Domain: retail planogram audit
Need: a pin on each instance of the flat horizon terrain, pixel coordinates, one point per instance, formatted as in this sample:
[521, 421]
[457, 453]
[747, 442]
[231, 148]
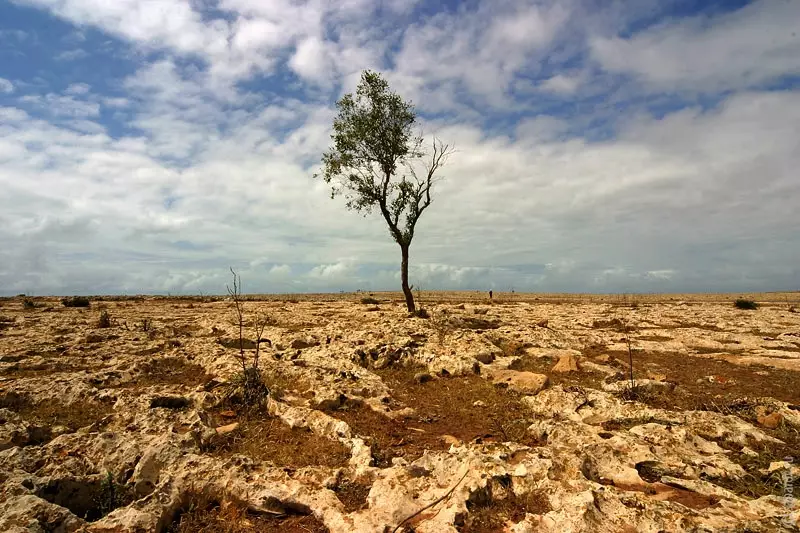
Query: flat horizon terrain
[516, 414]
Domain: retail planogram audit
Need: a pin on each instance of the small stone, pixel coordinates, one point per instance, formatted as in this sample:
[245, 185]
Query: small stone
[479, 403]
[303, 343]
[771, 421]
[422, 377]
[451, 440]
[485, 357]
[566, 363]
[522, 382]
[543, 323]
[230, 428]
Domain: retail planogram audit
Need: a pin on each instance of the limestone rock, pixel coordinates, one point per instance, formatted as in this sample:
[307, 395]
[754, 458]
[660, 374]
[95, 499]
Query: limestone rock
[566, 363]
[523, 382]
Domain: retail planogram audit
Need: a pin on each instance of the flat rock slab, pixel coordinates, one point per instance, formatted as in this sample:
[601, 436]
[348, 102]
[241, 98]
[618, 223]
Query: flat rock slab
[522, 382]
[566, 363]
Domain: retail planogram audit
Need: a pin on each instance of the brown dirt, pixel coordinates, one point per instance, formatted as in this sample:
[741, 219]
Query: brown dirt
[353, 495]
[491, 510]
[204, 516]
[544, 365]
[265, 438]
[169, 371]
[444, 407]
[729, 381]
[54, 413]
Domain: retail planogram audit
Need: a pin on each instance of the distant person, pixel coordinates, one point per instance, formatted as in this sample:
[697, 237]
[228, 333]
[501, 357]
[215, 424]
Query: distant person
[490, 295]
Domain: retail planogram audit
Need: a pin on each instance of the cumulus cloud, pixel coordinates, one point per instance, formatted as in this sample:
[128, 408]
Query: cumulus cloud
[6, 86]
[564, 177]
[753, 45]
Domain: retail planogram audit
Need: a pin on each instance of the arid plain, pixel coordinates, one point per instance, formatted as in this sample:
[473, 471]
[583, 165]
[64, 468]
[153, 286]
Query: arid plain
[516, 414]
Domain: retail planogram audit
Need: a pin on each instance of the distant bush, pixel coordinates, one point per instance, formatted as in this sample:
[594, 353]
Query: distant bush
[742, 303]
[421, 313]
[104, 321]
[369, 301]
[76, 301]
[27, 303]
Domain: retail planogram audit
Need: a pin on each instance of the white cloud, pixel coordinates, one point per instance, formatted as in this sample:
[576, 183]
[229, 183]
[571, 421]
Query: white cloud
[753, 45]
[311, 61]
[61, 105]
[6, 86]
[483, 50]
[561, 84]
[197, 172]
[78, 89]
[72, 55]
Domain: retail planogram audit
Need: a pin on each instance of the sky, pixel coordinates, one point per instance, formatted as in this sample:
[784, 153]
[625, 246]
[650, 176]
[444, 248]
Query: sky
[601, 145]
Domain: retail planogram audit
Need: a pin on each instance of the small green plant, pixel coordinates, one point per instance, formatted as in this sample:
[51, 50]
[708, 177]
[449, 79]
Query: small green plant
[76, 301]
[742, 303]
[146, 324]
[370, 301]
[105, 320]
[110, 496]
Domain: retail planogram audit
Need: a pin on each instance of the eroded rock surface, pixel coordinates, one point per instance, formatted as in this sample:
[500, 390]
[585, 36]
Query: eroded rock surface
[518, 416]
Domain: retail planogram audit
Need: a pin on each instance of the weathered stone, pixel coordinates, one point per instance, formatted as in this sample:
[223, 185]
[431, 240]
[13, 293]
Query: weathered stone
[485, 357]
[566, 363]
[229, 428]
[304, 342]
[523, 382]
[771, 421]
[422, 377]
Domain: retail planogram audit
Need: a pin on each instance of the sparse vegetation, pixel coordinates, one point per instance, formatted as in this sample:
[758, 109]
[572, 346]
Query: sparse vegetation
[370, 301]
[742, 303]
[247, 387]
[208, 514]
[111, 496]
[76, 301]
[105, 320]
[421, 313]
[27, 303]
[377, 161]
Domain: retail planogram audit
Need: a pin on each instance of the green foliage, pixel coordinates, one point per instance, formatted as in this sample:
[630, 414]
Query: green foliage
[76, 301]
[110, 496]
[376, 161]
[742, 303]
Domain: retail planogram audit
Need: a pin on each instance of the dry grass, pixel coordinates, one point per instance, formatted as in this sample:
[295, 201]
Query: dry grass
[353, 495]
[495, 508]
[168, 371]
[443, 407]
[269, 439]
[206, 515]
[50, 413]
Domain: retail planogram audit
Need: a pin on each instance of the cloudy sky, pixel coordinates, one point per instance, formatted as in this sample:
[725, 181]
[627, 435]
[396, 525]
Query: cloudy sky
[602, 145]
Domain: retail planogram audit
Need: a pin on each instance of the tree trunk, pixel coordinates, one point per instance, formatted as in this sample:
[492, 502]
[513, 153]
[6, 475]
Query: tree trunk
[404, 277]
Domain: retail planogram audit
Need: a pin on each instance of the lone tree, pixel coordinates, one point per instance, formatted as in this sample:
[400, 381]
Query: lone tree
[378, 161]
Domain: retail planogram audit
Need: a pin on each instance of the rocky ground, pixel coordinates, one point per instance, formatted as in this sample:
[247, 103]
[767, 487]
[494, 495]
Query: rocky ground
[514, 415]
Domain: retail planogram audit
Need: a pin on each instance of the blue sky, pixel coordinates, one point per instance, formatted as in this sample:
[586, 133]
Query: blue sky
[602, 146]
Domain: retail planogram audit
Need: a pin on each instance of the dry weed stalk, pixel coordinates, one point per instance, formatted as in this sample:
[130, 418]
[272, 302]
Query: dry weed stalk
[249, 385]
